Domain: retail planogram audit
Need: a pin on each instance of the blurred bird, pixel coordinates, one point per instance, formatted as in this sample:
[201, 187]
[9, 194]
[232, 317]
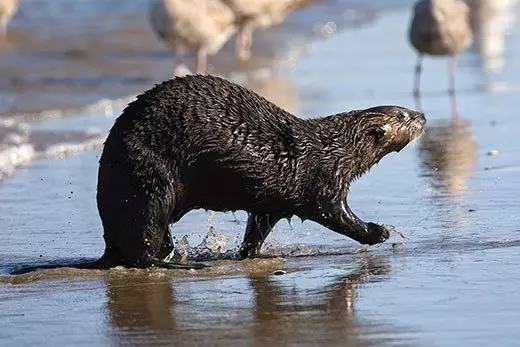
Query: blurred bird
[258, 14]
[200, 25]
[7, 10]
[440, 27]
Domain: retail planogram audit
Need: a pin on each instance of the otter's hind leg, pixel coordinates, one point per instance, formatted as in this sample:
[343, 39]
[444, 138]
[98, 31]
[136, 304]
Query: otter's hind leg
[258, 227]
[167, 249]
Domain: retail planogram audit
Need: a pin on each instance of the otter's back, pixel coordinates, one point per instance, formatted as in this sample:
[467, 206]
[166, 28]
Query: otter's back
[202, 108]
[219, 137]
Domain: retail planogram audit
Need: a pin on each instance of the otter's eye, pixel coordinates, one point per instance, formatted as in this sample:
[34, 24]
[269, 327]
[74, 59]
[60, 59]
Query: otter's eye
[377, 132]
[403, 115]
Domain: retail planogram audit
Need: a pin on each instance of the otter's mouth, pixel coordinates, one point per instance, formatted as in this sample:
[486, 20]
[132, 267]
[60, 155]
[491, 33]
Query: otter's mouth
[413, 129]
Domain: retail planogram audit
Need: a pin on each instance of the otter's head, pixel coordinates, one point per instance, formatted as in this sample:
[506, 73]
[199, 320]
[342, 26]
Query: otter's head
[380, 130]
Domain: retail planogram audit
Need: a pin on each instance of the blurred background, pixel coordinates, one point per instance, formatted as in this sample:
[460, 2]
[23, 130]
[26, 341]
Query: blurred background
[68, 67]
[60, 57]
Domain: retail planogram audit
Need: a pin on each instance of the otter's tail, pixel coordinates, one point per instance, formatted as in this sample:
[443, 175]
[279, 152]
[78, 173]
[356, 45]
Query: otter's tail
[106, 262]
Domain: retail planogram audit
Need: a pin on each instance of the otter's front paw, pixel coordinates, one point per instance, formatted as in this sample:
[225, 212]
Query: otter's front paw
[376, 234]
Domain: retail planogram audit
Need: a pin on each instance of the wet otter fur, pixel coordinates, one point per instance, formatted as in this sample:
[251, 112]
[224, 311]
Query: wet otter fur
[203, 142]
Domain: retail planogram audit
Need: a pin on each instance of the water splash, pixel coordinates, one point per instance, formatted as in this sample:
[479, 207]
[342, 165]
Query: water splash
[212, 247]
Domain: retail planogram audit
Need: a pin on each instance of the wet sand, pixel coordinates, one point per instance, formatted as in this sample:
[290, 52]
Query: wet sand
[454, 282]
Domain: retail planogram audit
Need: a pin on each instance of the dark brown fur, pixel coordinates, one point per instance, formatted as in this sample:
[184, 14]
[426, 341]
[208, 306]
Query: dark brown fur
[204, 142]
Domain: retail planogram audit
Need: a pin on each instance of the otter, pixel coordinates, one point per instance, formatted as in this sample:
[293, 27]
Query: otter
[202, 142]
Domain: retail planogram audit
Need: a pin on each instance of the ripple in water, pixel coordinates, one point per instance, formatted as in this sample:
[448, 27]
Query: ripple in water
[20, 144]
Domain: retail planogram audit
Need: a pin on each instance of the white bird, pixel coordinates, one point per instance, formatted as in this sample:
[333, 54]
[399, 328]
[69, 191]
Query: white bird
[200, 25]
[258, 14]
[7, 10]
[440, 27]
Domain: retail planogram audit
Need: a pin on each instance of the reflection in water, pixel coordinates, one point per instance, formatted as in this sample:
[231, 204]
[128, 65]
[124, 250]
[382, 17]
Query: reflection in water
[491, 20]
[449, 155]
[254, 310]
[140, 308]
[326, 316]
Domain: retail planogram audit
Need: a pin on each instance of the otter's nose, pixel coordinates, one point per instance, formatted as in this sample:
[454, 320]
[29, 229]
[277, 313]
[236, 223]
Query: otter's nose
[419, 117]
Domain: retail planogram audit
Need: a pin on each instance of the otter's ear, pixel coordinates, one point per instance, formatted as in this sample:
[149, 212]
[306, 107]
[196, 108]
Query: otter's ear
[377, 132]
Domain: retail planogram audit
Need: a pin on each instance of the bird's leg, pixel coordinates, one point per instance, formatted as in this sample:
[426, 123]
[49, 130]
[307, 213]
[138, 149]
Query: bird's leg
[417, 80]
[239, 44]
[249, 41]
[451, 71]
[417, 83]
[451, 90]
[244, 42]
[201, 61]
[180, 68]
[454, 111]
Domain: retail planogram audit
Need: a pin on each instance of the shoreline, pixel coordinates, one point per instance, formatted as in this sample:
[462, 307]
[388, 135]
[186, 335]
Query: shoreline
[113, 54]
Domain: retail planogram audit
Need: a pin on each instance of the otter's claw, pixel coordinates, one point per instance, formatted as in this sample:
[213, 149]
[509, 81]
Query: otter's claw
[376, 234]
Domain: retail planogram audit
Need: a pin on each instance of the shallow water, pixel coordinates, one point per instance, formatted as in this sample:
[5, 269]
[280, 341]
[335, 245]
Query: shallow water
[454, 282]
[64, 58]
[63, 54]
